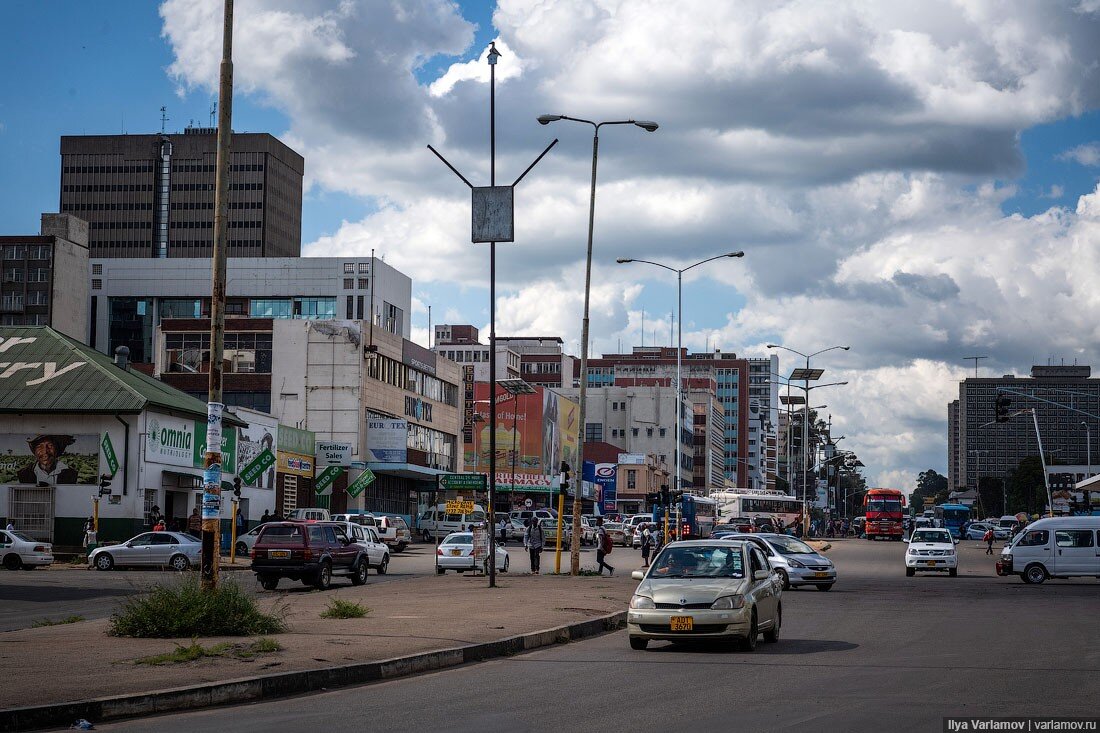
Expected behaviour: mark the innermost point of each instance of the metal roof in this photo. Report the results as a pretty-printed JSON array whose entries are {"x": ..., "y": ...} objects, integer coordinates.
[{"x": 43, "y": 371}]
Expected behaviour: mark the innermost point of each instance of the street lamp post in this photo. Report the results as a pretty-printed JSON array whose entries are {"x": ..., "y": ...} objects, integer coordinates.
[
  {"x": 805, "y": 423},
  {"x": 575, "y": 547},
  {"x": 680, "y": 335}
]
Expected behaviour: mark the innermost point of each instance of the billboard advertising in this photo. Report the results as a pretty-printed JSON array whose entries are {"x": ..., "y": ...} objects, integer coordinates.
[
  {"x": 387, "y": 439},
  {"x": 529, "y": 436},
  {"x": 261, "y": 434},
  {"x": 53, "y": 459}
]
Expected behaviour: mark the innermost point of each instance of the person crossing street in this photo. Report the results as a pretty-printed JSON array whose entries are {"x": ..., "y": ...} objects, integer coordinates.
[
  {"x": 533, "y": 540},
  {"x": 603, "y": 547}
]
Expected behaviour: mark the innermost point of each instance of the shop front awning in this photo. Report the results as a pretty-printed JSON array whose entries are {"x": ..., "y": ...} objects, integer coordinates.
[{"x": 405, "y": 470}]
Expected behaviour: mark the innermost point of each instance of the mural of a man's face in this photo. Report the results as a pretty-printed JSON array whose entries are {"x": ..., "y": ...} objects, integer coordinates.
[{"x": 45, "y": 451}]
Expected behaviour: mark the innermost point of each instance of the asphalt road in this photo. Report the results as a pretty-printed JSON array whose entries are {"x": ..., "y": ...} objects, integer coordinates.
[
  {"x": 879, "y": 652},
  {"x": 60, "y": 592}
]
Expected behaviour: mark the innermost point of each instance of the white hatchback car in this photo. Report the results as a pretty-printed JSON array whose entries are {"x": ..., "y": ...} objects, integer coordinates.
[
  {"x": 931, "y": 549},
  {"x": 456, "y": 552},
  {"x": 18, "y": 550}
]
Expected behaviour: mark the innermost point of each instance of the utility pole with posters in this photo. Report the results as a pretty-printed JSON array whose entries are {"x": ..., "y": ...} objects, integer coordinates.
[{"x": 212, "y": 458}]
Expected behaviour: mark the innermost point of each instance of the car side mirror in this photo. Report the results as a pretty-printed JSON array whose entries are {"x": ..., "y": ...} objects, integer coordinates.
[
  {"x": 637, "y": 575},
  {"x": 760, "y": 575}
]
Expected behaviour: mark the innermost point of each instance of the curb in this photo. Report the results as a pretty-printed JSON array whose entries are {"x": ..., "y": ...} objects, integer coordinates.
[{"x": 267, "y": 687}]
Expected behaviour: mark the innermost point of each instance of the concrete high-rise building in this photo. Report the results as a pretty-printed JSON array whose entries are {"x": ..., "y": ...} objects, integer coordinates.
[
  {"x": 953, "y": 465},
  {"x": 153, "y": 195},
  {"x": 44, "y": 277},
  {"x": 990, "y": 449}
]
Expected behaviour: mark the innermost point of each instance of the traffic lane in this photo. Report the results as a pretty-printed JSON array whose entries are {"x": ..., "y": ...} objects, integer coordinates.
[{"x": 879, "y": 650}]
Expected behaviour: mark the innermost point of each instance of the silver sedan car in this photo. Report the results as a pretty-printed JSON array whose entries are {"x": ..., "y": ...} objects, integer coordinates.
[
  {"x": 796, "y": 562},
  {"x": 706, "y": 590},
  {"x": 161, "y": 549}
]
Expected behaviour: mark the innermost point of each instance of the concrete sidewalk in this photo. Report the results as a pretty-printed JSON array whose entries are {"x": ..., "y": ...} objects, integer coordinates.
[{"x": 79, "y": 661}]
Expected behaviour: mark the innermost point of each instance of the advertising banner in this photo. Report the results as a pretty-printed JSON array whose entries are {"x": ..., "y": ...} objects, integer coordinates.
[
  {"x": 387, "y": 440},
  {"x": 229, "y": 448},
  {"x": 295, "y": 440},
  {"x": 260, "y": 435},
  {"x": 171, "y": 441},
  {"x": 297, "y": 464},
  {"x": 50, "y": 458}
]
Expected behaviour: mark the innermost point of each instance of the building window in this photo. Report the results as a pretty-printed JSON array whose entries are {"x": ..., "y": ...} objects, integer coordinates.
[
  {"x": 364, "y": 283},
  {"x": 349, "y": 283},
  {"x": 614, "y": 406},
  {"x": 649, "y": 432},
  {"x": 364, "y": 267},
  {"x": 130, "y": 322},
  {"x": 349, "y": 314},
  {"x": 593, "y": 431},
  {"x": 97, "y": 269},
  {"x": 97, "y": 283},
  {"x": 634, "y": 432},
  {"x": 631, "y": 480},
  {"x": 662, "y": 432},
  {"x": 349, "y": 268}
]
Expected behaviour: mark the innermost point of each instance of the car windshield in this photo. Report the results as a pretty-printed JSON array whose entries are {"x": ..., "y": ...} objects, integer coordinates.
[
  {"x": 701, "y": 561},
  {"x": 932, "y": 536},
  {"x": 790, "y": 546},
  {"x": 459, "y": 539},
  {"x": 285, "y": 534}
]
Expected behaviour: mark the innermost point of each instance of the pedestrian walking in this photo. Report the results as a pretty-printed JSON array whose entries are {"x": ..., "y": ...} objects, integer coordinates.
[
  {"x": 988, "y": 537},
  {"x": 533, "y": 540},
  {"x": 10, "y": 527},
  {"x": 265, "y": 517},
  {"x": 89, "y": 532},
  {"x": 647, "y": 544},
  {"x": 603, "y": 548},
  {"x": 194, "y": 523},
  {"x": 242, "y": 521},
  {"x": 502, "y": 530},
  {"x": 155, "y": 515}
]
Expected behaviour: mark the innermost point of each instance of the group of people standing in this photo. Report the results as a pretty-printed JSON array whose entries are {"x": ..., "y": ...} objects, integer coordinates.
[{"x": 534, "y": 541}]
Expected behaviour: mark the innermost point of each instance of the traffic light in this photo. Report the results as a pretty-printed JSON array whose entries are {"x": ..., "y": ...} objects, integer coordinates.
[
  {"x": 105, "y": 484},
  {"x": 677, "y": 497},
  {"x": 566, "y": 472},
  {"x": 237, "y": 486},
  {"x": 1001, "y": 407},
  {"x": 664, "y": 495},
  {"x": 652, "y": 499}
]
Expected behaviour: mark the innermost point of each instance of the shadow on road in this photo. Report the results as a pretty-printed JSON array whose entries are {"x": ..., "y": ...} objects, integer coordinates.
[{"x": 785, "y": 646}]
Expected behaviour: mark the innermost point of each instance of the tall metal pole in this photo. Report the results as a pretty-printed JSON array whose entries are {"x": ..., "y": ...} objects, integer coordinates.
[
  {"x": 805, "y": 456},
  {"x": 1042, "y": 458},
  {"x": 575, "y": 547},
  {"x": 212, "y": 459},
  {"x": 493, "y": 55},
  {"x": 679, "y": 379}
]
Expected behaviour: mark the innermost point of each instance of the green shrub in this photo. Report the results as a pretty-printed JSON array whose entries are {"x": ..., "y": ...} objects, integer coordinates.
[
  {"x": 50, "y": 622},
  {"x": 194, "y": 651},
  {"x": 338, "y": 608},
  {"x": 185, "y": 610}
]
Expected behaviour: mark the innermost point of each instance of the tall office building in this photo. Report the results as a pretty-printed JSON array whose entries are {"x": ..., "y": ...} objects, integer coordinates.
[
  {"x": 153, "y": 195},
  {"x": 954, "y": 478}
]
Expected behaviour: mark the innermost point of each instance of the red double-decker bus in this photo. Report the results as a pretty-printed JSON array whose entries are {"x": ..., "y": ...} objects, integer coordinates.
[{"x": 884, "y": 508}]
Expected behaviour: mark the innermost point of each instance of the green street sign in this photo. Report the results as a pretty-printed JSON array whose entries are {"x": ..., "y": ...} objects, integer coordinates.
[
  {"x": 325, "y": 478},
  {"x": 462, "y": 481},
  {"x": 109, "y": 453},
  {"x": 355, "y": 488},
  {"x": 257, "y": 466}
]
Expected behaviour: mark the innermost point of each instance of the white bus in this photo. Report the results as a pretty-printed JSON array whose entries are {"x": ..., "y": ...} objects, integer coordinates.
[{"x": 783, "y": 509}]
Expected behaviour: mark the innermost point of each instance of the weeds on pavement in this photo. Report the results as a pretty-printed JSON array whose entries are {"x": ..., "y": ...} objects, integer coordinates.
[
  {"x": 195, "y": 651},
  {"x": 339, "y": 608},
  {"x": 58, "y": 622},
  {"x": 186, "y": 610}
]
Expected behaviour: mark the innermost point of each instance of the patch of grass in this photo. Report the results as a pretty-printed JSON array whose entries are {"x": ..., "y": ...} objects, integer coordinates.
[
  {"x": 195, "y": 651},
  {"x": 339, "y": 608},
  {"x": 184, "y": 610},
  {"x": 51, "y": 622}
]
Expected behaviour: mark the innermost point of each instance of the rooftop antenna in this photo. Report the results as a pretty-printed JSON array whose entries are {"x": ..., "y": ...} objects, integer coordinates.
[
  {"x": 163, "y": 119},
  {"x": 976, "y": 359},
  {"x": 213, "y": 112}
]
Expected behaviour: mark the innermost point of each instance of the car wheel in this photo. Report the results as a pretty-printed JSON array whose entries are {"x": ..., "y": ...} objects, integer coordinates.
[
  {"x": 401, "y": 546},
  {"x": 910, "y": 572},
  {"x": 1035, "y": 574},
  {"x": 638, "y": 644},
  {"x": 12, "y": 561},
  {"x": 786, "y": 579},
  {"x": 772, "y": 635},
  {"x": 242, "y": 548},
  {"x": 426, "y": 536},
  {"x": 953, "y": 572},
  {"x": 180, "y": 563},
  {"x": 359, "y": 576},
  {"x": 103, "y": 561},
  {"x": 748, "y": 644},
  {"x": 440, "y": 571},
  {"x": 825, "y": 586},
  {"x": 324, "y": 577},
  {"x": 268, "y": 583},
  {"x": 385, "y": 564}
]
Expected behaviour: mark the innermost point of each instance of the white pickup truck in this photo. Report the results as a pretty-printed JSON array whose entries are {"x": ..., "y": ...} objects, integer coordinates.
[{"x": 393, "y": 531}]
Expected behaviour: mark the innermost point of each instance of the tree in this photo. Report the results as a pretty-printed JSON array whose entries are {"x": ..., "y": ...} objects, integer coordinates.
[
  {"x": 991, "y": 495},
  {"x": 931, "y": 483},
  {"x": 1026, "y": 488},
  {"x": 916, "y": 501}
]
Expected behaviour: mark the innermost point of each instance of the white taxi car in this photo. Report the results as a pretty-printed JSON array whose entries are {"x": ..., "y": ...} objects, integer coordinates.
[
  {"x": 456, "y": 552},
  {"x": 18, "y": 550}
]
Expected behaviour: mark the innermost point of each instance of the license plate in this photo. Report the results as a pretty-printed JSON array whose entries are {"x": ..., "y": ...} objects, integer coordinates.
[
  {"x": 279, "y": 553},
  {"x": 456, "y": 553},
  {"x": 821, "y": 575},
  {"x": 930, "y": 562},
  {"x": 682, "y": 623}
]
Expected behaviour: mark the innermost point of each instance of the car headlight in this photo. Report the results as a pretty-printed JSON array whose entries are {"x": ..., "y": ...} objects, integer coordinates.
[
  {"x": 795, "y": 564},
  {"x": 911, "y": 551},
  {"x": 728, "y": 602},
  {"x": 642, "y": 602}
]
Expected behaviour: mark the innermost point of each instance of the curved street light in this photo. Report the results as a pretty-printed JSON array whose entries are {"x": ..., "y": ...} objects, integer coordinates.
[
  {"x": 679, "y": 333},
  {"x": 648, "y": 126}
]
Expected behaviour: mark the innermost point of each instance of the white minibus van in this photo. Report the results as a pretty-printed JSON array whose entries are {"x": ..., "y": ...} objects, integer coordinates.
[
  {"x": 436, "y": 522},
  {"x": 1055, "y": 547}
]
